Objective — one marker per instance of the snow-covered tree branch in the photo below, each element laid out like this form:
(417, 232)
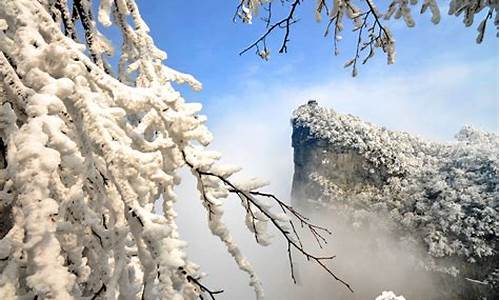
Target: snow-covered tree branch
(88, 146)
(369, 22)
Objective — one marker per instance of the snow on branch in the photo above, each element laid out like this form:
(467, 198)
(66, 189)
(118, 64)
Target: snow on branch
(284, 24)
(367, 20)
(259, 213)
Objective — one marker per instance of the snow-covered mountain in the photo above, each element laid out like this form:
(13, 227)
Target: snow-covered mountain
(440, 197)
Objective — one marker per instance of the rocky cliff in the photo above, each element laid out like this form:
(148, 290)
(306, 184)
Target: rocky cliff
(443, 196)
(319, 149)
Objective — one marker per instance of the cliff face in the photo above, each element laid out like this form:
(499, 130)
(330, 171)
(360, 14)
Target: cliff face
(443, 196)
(339, 148)
(316, 155)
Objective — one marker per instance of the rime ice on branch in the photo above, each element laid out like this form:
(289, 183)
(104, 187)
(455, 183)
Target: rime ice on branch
(87, 152)
(367, 18)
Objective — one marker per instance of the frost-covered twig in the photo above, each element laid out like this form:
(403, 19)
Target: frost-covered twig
(69, 26)
(202, 287)
(284, 24)
(253, 206)
(379, 34)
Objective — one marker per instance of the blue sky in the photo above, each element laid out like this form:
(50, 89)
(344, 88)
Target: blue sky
(441, 80)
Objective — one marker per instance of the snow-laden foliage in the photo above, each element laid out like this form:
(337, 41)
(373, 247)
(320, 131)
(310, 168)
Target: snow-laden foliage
(85, 153)
(367, 19)
(444, 196)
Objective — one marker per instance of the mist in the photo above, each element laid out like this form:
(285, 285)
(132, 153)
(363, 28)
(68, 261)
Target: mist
(369, 260)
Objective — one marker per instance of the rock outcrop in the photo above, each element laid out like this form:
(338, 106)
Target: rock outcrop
(443, 196)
